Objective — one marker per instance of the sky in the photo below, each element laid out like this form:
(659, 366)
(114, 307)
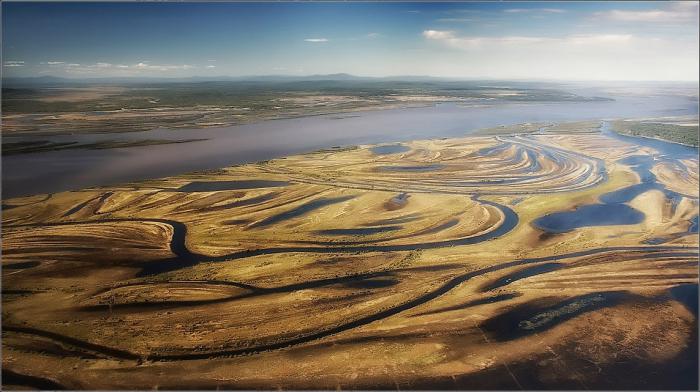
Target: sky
(492, 40)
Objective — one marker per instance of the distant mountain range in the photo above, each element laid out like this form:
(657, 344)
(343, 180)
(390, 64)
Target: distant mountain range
(55, 81)
(337, 79)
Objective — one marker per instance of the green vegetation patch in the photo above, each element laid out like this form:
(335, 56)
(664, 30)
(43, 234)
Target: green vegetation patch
(684, 134)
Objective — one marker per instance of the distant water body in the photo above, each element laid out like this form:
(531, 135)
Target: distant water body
(49, 172)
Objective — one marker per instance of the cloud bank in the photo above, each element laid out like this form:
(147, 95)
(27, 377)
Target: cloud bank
(604, 56)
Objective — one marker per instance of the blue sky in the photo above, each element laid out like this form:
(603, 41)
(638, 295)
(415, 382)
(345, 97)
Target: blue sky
(518, 40)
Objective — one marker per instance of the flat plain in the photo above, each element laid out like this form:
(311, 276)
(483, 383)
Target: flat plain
(61, 107)
(547, 256)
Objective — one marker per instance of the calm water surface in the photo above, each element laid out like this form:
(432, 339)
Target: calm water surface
(28, 174)
(613, 210)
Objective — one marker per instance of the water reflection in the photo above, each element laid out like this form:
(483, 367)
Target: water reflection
(390, 149)
(613, 210)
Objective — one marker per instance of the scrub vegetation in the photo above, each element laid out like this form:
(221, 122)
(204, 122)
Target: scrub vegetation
(678, 133)
(69, 108)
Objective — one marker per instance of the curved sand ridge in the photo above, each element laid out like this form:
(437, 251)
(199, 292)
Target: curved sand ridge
(349, 268)
(505, 165)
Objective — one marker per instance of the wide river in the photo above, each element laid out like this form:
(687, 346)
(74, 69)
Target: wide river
(48, 172)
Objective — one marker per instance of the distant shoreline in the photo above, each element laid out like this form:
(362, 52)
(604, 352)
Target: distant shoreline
(656, 138)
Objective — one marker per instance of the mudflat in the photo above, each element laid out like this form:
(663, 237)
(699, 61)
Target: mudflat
(472, 263)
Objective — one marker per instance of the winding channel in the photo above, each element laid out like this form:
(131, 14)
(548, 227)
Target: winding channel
(612, 209)
(441, 290)
(185, 258)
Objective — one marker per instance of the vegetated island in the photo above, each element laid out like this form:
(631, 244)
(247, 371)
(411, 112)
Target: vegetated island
(675, 131)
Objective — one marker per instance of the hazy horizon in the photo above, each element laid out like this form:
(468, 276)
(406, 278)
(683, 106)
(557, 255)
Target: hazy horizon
(340, 75)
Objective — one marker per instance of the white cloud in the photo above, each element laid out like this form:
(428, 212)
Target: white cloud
(449, 38)
(210, 66)
(140, 68)
(553, 10)
(536, 10)
(458, 20)
(676, 12)
(438, 35)
(471, 42)
(55, 62)
(603, 56)
(13, 64)
(463, 11)
(599, 39)
(145, 65)
(316, 39)
(373, 35)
